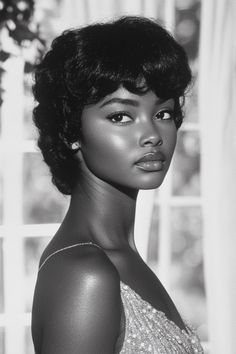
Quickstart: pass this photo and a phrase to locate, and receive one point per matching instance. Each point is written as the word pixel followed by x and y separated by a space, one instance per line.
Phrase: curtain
pixel 75 13
pixel 217 91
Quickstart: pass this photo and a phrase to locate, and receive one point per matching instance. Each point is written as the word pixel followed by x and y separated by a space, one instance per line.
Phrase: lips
pixel 152 156
pixel 152 162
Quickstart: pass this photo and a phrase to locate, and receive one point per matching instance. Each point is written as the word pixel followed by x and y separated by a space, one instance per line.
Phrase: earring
pixel 75 145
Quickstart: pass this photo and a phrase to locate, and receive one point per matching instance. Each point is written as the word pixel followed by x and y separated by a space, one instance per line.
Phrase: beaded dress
pixel 150 331
pixel 146 329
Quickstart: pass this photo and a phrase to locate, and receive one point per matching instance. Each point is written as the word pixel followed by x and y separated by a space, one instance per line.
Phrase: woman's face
pixel 121 129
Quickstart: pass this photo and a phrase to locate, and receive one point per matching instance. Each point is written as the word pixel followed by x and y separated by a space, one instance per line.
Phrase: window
pixel 175 242
pixel 31 208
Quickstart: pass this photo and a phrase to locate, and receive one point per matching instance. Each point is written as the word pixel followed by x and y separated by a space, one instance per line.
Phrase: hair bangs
pixel 139 69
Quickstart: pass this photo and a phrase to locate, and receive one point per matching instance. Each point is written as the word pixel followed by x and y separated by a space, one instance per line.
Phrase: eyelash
pixel 122 114
pixel 114 115
pixel 169 111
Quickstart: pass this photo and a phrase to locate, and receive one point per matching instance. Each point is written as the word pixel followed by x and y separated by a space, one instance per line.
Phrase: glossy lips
pixel 152 161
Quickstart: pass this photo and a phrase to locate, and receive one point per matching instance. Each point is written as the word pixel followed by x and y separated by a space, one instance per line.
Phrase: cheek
pixel 170 141
pixel 104 150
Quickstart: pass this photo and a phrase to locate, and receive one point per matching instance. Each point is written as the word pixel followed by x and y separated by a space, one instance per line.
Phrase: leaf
pixel 1 93
pixel 28 67
pixel 22 33
pixel 4 55
pixel 1 72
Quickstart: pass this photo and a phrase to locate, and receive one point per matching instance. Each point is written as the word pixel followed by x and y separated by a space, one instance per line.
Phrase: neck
pixel 103 213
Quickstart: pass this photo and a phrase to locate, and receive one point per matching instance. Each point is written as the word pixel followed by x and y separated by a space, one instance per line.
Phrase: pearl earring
pixel 75 145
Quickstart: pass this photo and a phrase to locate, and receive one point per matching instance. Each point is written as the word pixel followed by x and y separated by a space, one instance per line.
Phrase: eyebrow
pixel 127 101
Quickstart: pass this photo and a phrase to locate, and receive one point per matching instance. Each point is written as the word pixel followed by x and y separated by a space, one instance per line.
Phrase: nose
pixel 150 135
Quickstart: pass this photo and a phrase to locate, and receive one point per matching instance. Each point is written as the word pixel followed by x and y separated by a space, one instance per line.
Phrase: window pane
pixel 191 103
pixel 1 278
pixel 33 248
pixel 2 340
pixel 152 253
pixel 188 26
pixel 42 203
pixel 186 163
pixel 187 33
pixel 29 347
pixel 187 282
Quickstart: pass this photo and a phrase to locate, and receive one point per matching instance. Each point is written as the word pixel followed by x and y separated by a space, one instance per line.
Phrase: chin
pixel 151 184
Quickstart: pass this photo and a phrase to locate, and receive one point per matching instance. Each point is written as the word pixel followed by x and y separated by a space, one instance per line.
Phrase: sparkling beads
pixel 150 331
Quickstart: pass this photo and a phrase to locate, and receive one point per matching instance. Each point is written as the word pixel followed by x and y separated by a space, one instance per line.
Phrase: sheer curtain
pixel 79 12
pixel 218 123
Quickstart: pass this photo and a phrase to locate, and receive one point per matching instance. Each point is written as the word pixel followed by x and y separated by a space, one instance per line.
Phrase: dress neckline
pixel 124 286
pixel 126 290
pixel 187 330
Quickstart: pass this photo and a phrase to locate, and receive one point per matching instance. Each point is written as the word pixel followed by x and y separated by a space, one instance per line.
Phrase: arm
pixel 83 308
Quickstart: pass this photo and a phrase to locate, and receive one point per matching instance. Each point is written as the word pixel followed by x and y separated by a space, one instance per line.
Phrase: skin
pixel 102 207
pixel 108 153
pixel 109 148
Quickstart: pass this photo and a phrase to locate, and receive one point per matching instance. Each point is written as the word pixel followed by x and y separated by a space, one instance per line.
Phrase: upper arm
pixel 83 306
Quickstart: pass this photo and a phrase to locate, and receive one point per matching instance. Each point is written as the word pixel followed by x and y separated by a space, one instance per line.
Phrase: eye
pixel 165 115
pixel 119 118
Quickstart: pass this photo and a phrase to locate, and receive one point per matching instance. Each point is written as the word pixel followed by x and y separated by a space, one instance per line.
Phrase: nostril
pixel 153 141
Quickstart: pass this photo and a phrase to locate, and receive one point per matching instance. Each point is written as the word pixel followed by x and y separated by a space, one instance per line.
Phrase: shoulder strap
pixel 65 248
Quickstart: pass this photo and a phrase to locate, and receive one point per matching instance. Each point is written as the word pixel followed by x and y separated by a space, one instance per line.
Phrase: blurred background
pixel 185 230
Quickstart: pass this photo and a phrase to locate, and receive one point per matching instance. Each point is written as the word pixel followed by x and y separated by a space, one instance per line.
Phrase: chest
pixel 149 331
pixel 135 273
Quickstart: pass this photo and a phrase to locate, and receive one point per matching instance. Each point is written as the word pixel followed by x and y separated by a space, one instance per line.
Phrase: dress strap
pixel 66 248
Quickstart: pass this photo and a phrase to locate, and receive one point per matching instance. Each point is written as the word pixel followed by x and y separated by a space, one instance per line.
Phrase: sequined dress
pixel 146 329
pixel 149 330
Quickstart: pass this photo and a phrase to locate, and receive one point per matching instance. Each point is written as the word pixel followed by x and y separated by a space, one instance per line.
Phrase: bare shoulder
pixel 82 259
pixel 77 299
pixel 75 268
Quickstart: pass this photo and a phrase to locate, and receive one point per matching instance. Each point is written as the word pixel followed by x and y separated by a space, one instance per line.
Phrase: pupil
pixel 119 117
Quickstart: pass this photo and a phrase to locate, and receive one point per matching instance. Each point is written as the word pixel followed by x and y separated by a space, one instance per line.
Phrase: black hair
pixel 86 64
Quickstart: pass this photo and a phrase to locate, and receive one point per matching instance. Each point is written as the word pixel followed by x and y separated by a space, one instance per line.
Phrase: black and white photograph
pixel 117 176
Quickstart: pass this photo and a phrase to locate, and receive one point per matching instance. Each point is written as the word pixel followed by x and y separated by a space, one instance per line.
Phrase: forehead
pixel 122 95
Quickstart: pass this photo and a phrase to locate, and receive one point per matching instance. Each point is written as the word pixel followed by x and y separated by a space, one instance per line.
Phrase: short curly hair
pixel 86 64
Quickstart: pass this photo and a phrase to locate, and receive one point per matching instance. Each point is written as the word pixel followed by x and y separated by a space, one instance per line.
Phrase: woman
pixel 109 107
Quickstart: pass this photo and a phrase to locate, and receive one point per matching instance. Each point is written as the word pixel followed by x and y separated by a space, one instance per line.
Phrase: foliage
pixel 19 32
